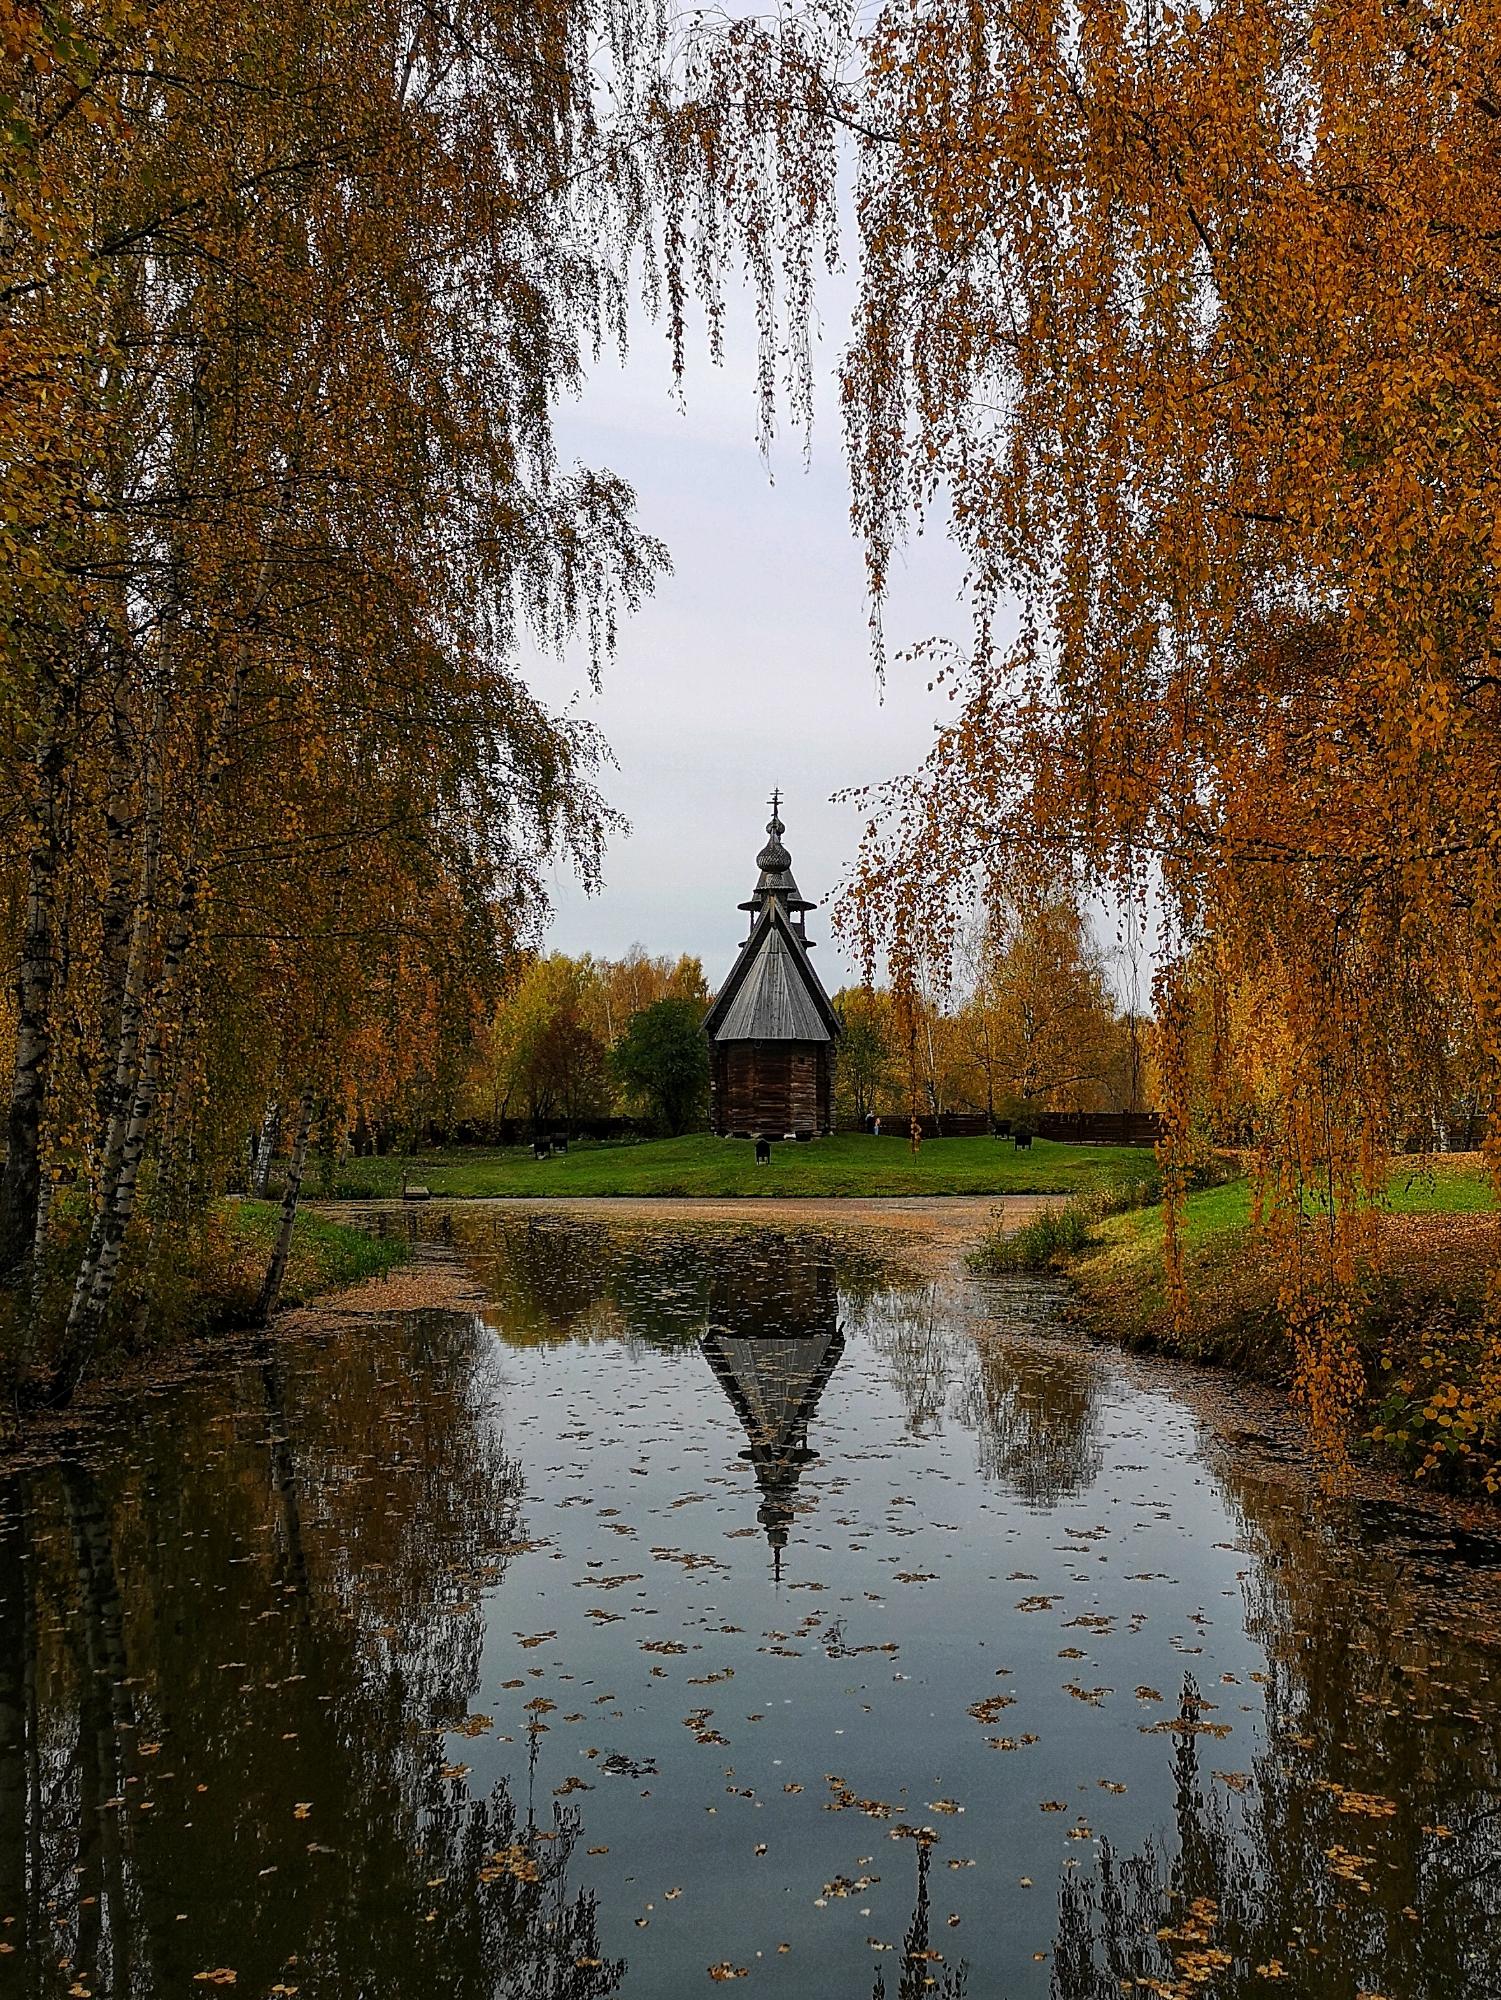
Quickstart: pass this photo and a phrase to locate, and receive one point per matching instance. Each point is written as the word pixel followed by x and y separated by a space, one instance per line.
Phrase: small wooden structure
pixel 772 1031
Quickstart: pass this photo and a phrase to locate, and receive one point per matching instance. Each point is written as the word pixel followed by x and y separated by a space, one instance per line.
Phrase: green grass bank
pixel 1420 1322
pixel 849 1163
pixel 326 1255
pixel 194 1285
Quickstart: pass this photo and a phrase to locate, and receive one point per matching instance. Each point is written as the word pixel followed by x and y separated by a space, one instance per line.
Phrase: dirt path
pixel 938 1228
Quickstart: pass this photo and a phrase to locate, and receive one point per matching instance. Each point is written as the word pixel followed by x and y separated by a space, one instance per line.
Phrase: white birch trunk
pixel 20 1186
pixel 125 1149
pixel 265 1150
pixel 276 1270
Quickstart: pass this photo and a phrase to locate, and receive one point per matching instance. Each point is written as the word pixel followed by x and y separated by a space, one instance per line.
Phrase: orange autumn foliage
pixel 1188 321
pixel 288 294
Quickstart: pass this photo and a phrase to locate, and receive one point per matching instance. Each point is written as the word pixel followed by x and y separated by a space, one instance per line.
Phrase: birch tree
pixel 291 500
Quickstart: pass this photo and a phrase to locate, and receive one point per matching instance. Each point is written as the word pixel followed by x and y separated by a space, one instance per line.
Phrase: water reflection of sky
pixel 718 1599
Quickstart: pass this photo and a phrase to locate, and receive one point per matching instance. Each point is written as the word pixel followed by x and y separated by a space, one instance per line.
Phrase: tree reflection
pixel 1361 1853
pixel 911 1329
pixel 558 1277
pixel 923 1975
pixel 232 1641
pixel 1035 1416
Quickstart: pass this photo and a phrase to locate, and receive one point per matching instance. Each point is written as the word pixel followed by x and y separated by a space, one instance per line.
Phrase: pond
pixel 725 1604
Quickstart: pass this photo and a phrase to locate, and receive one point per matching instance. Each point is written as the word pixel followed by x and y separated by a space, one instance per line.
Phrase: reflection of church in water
pixel 773 1345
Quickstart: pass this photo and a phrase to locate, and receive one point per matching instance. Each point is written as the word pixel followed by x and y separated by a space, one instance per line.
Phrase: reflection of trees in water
pixel 922 1975
pixel 552 1277
pixel 1326 1863
pixel 1034 1413
pixel 545 1278
pixel 226 1660
pixel 1035 1416
pixel 1161 1920
pixel 912 1332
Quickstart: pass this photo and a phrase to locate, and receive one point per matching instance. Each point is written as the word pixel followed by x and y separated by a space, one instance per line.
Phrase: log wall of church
pixel 766 1089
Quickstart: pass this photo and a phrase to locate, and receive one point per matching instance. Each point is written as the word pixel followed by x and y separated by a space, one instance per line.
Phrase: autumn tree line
pixel 1029 1022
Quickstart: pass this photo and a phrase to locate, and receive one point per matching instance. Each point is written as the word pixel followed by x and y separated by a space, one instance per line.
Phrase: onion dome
pixel 776 877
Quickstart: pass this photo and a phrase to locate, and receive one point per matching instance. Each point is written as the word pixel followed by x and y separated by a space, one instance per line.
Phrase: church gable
pixel 772 994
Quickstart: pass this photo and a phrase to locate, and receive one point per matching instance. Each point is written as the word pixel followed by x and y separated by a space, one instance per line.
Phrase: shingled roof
pixel 772 994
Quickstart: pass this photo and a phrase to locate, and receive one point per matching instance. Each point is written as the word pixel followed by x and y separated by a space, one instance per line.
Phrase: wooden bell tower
pixel 772 1031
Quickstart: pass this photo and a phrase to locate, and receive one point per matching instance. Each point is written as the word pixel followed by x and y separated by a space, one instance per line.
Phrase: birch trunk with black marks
pixel 39 1245
pixel 265 1152
pixel 121 1105
pixel 140 1059
pixel 276 1270
pixel 115 928
pixel 21 1182
pixel 126 1147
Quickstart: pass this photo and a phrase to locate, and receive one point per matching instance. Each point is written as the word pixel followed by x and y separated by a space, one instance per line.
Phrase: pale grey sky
pixel 750 666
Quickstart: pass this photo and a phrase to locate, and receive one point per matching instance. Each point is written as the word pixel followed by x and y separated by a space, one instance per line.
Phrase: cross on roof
pixel 776 799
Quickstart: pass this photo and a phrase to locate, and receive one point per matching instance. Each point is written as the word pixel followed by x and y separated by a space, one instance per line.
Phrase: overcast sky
pixel 749 667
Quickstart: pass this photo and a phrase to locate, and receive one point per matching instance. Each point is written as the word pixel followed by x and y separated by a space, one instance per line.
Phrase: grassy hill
pixel 1435 1241
pixel 850 1163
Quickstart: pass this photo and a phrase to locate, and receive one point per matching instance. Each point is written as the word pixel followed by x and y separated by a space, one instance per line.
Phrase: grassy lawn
pixel 325 1256
pixel 1433 1216
pixel 850 1163
pixel 1456 1185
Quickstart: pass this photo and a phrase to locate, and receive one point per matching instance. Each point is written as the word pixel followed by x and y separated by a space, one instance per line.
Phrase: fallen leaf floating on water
pixel 514 1861
pixel 991 1707
pixel 1360 1805
pixel 222 1975
pixel 1349 1866
pixel 724 1970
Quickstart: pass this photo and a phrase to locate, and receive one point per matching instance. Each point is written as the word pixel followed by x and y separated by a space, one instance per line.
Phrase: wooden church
pixel 772 1031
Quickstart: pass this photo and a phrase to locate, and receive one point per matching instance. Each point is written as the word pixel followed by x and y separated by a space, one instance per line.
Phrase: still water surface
pixel 723 1604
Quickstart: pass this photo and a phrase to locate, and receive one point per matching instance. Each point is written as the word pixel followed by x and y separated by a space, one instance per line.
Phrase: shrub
pixel 1057 1233
pixel 1442 1413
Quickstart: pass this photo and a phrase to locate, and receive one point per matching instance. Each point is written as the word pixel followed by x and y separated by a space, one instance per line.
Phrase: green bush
pixel 1056 1234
